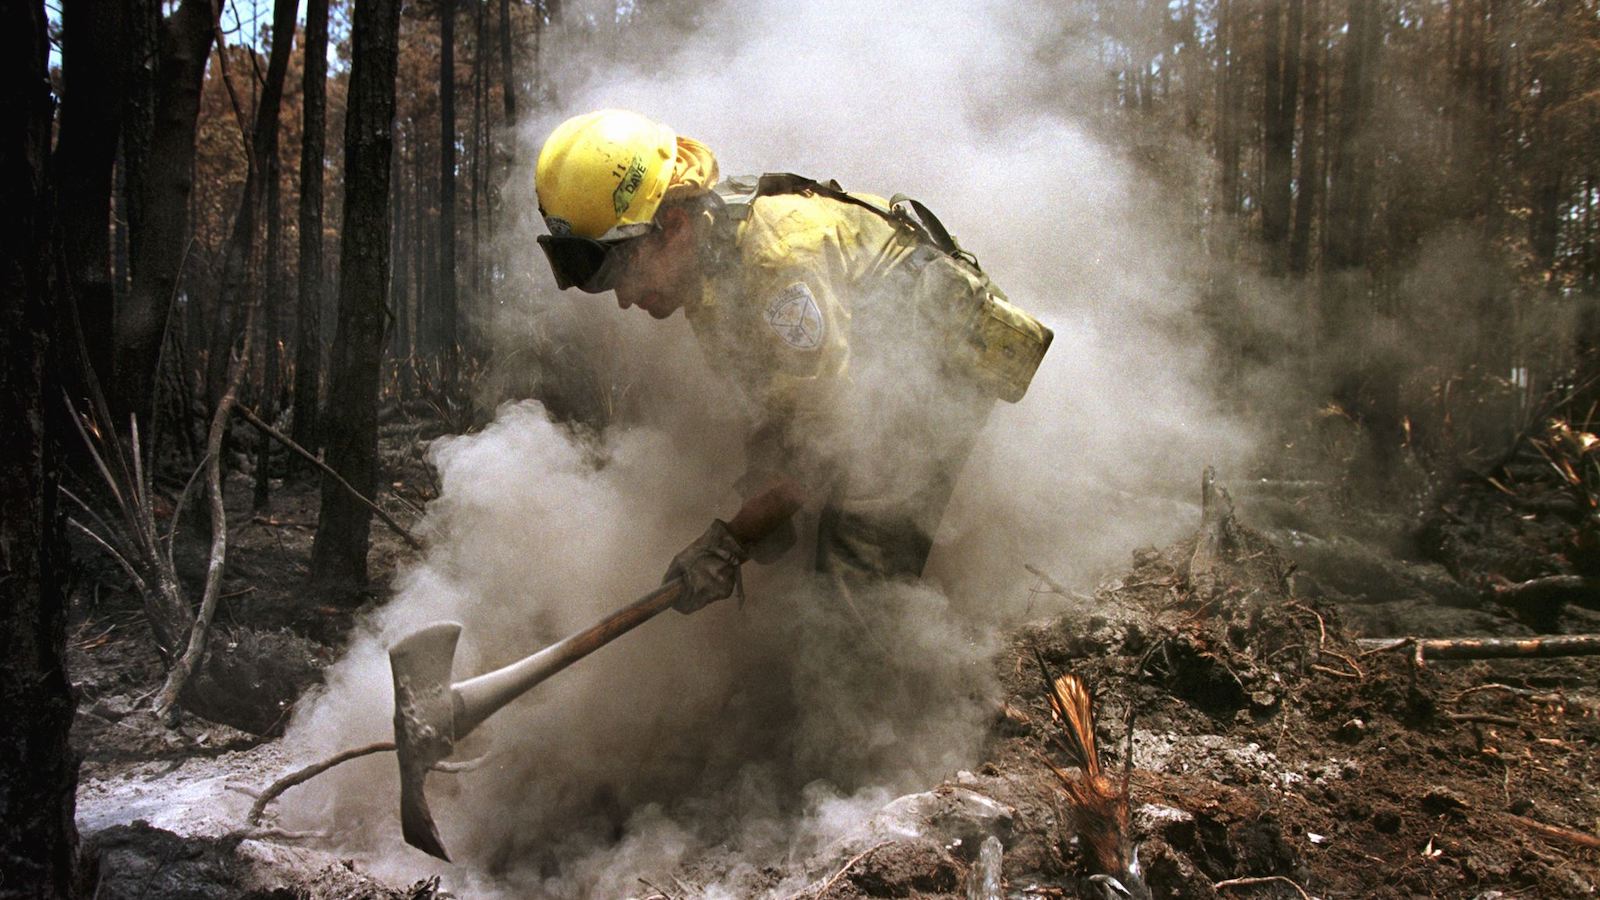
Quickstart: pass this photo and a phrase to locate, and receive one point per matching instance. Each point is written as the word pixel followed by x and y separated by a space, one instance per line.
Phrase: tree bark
pixel 237 258
pixel 1350 163
pixel 479 143
pixel 1310 180
pixel 1281 96
pixel 272 295
pixel 92 55
pixel 507 75
pixel 1550 645
pixel 308 308
pixel 37 768
pixel 159 150
pixel 1227 134
pixel 339 555
pixel 404 256
pixel 449 336
pixel 1274 215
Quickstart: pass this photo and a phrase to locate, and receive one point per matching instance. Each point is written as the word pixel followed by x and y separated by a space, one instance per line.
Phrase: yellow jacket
pixel 815 307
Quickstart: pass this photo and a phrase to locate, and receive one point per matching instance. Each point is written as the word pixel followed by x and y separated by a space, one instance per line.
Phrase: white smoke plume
pixel 758 734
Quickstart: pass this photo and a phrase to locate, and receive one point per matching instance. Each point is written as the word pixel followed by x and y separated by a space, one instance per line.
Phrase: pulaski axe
pixel 431 714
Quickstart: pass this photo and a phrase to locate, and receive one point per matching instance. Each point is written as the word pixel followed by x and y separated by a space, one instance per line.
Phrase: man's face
pixel 660 272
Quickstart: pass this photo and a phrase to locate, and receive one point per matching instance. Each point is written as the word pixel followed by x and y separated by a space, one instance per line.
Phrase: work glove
pixel 709 568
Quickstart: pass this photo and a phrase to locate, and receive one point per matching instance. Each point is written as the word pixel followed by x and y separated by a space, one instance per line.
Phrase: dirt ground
pixel 1268 749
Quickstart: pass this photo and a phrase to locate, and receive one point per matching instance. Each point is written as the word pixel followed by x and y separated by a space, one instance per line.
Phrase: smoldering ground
pixel 763 732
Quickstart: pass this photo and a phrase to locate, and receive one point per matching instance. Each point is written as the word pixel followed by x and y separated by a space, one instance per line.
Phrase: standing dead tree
pixel 159 149
pixel 339 554
pixel 37 765
pixel 308 316
pixel 262 151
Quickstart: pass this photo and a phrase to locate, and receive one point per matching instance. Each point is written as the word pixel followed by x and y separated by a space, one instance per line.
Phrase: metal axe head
pixel 424 723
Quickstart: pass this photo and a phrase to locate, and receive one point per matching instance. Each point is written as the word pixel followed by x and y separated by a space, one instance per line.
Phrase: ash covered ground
pixel 1271 755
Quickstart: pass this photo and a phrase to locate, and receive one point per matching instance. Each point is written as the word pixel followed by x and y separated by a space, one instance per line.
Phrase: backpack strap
pixel 737 193
pixel 940 236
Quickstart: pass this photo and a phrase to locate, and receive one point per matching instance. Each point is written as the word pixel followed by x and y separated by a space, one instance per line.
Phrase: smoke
pixel 758 735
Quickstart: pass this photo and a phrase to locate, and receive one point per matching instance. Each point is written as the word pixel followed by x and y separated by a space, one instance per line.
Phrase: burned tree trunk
pixel 272 299
pixel 1228 92
pixel 237 258
pixel 508 78
pixel 308 309
pixel 339 556
pixel 1310 169
pixel 91 118
pixel 37 768
pixel 1282 88
pixel 1350 191
pixel 159 145
pixel 449 339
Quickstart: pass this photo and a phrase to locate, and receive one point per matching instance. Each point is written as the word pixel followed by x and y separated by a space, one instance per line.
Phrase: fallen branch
pixel 845 868
pixel 1580 838
pixel 655 892
pixel 283 835
pixel 1535 696
pixel 1052 586
pixel 405 535
pixel 1549 645
pixel 1484 719
pixel 1550 592
pixel 301 776
pixel 1265 879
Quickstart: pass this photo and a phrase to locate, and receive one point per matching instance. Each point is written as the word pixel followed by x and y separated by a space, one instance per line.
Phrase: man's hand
pixel 709 568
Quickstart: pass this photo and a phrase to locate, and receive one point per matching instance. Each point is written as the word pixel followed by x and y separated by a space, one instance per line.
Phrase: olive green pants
pixel 886 538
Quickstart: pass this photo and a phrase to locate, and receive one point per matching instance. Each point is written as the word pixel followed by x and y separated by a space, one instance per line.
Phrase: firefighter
pixel 869 346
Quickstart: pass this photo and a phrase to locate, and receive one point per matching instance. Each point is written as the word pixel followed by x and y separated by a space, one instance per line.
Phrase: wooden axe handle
pixel 764 512
pixel 480 697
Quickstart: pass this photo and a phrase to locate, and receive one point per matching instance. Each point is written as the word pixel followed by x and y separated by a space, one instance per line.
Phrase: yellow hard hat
pixel 602 175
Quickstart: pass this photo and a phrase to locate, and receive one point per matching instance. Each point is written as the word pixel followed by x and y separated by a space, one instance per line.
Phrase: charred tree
pixel 448 337
pixel 1310 180
pixel 339 555
pixel 159 151
pixel 507 76
pixel 1350 190
pixel 92 55
pixel 1282 87
pixel 271 357
pixel 308 308
pixel 1229 93
pixel 400 272
pixel 39 771
pixel 1366 376
pixel 478 144
pixel 240 251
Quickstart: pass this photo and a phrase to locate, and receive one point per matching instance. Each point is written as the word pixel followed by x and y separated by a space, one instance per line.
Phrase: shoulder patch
pixel 794 316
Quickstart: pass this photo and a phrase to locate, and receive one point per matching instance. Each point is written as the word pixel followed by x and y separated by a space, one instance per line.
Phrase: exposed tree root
pixel 1265 879
pixel 405 535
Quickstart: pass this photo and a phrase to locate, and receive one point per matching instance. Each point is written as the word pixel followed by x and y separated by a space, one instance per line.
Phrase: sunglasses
pixel 592 265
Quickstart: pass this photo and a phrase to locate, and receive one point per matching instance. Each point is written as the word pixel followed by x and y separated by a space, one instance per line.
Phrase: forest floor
pixel 1268 749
